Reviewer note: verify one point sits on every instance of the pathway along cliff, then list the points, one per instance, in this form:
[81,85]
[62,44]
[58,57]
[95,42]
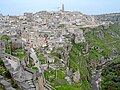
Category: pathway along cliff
[96,74]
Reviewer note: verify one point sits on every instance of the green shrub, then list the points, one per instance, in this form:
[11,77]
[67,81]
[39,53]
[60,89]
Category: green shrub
[61,26]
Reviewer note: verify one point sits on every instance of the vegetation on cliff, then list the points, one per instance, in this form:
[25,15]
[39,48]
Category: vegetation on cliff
[111,76]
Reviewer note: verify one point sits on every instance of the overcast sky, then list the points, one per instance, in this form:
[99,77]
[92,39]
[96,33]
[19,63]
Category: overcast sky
[17,7]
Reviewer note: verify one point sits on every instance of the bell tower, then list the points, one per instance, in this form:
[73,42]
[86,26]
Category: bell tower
[62,7]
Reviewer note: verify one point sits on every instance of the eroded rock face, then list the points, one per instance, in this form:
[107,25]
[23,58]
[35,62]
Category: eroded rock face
[79,36]
[68,80]
[76,76]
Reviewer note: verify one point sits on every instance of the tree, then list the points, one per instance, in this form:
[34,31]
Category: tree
[35,68]
[5,37]
[1,63]
[7,74]
[73,38]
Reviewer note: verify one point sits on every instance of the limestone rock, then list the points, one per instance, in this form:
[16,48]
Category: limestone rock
[76,76]
[68,80]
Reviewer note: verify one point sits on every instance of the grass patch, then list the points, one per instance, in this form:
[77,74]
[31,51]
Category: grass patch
[67,87]
[78,62]
[20,56]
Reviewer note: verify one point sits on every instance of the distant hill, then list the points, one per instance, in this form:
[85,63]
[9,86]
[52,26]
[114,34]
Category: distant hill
[112,17]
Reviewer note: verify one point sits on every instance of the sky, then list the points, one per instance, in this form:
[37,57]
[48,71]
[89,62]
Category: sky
[91,7]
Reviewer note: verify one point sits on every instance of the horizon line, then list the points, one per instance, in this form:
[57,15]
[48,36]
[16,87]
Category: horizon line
[57,11]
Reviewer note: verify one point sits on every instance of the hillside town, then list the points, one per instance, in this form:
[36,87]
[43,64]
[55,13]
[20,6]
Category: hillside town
[30,44]
[46,27]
